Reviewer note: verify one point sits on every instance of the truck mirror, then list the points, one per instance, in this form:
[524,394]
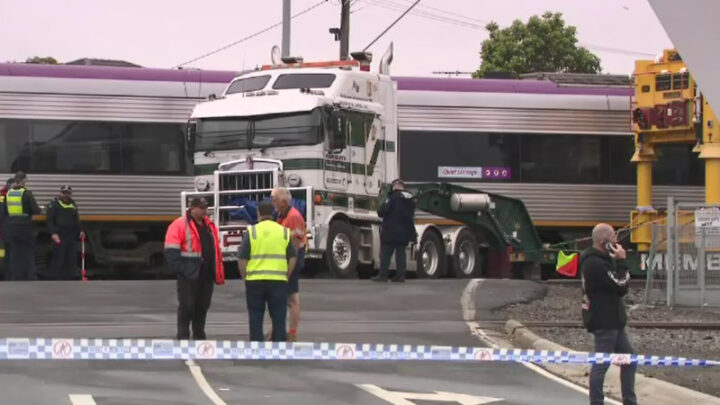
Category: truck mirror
[337,130]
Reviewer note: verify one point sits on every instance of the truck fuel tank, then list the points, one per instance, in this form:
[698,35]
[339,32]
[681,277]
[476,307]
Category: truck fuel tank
[466,202]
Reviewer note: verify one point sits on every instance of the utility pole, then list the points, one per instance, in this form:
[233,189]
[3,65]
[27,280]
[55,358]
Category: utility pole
[345,30]
[286,29]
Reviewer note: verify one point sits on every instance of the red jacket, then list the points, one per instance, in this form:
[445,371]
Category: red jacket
[183,251]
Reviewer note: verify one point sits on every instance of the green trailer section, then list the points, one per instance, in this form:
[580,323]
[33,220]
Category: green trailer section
[505,225]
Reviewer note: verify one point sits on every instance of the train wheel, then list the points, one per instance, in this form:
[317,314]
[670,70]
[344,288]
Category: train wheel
[431,258]
[341,255]
[466,261]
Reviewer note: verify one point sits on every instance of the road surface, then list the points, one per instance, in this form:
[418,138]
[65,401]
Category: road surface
[417,312]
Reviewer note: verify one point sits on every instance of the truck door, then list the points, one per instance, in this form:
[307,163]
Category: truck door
[337,163]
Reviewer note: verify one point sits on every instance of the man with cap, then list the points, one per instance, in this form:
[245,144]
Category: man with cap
[63,222]
[192,252]
[18,209]
[267,256]
[396,231]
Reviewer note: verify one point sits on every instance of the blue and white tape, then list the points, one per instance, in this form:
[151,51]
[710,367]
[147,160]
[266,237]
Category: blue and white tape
[158,349]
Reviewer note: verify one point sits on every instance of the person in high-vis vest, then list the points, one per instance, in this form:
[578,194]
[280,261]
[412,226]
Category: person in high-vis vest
[18,210]
[63,222]
[267,257]
[192,252]
[5,249]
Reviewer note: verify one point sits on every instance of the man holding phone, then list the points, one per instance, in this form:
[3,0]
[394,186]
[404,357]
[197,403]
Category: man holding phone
[605,279]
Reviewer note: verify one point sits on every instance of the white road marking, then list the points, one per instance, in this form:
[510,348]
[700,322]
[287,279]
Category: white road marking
[81,399]
[197,374]
[403,398]
[468,309]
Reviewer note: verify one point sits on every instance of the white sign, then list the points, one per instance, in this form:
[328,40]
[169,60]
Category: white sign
[707,221]
[404,398]
[688,262]
[460,172]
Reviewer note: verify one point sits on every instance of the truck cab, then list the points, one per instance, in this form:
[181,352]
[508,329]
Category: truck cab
[326,131]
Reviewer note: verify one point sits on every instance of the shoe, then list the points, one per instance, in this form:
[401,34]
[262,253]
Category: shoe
[398,280]
[291,337]
[379,279]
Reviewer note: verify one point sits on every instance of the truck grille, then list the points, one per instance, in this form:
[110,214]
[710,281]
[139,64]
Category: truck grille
[236,191]
[246,181]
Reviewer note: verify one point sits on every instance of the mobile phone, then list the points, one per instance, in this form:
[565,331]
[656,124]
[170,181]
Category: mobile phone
[609,246]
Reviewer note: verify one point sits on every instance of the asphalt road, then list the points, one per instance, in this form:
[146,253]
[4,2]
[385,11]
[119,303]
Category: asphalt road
[417,312]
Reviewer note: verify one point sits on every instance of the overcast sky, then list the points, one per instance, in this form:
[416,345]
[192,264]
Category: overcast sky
[438,35]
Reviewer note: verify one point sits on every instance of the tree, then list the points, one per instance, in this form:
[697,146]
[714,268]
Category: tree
[544,44]
[47,60]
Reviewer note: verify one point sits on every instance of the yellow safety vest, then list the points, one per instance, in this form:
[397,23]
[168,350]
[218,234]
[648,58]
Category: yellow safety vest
[268,252]
[70,206]
[13,200]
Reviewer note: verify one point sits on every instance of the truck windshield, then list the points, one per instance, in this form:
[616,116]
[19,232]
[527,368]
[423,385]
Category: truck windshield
[259,132]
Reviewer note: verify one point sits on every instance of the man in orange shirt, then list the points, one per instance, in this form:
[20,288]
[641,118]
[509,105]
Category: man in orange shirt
[291,218]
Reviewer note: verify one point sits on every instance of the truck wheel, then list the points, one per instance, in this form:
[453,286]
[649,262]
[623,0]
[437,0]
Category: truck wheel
[466,261]
[431,258]
[341,254]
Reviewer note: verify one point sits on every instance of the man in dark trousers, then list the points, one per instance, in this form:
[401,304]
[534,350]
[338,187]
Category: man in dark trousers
[18,209]
[5,246]
[267,256]
[605,279]
[63,221]
[192,251]
[396,231]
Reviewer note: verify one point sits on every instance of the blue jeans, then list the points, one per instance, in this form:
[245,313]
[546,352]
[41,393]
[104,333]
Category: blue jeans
[273,294]
[612,341]
[386,252]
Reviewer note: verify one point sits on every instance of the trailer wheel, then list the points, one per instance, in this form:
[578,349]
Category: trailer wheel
[431,257]
[466,261]
[341,255]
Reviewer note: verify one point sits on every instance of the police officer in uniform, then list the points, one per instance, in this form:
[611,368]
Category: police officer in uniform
[63,221]
[3,239]
[19,207]
[266,259]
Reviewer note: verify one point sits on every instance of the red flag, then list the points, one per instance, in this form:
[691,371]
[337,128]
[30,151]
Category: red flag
[567,265]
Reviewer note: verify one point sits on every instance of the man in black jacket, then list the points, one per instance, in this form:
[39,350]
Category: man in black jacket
[396,231]
[63,221]
[605,279]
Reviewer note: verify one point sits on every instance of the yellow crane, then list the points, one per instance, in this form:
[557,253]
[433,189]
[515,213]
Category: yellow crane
[668,108]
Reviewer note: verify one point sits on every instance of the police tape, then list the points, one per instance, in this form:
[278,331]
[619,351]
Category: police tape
[159,349]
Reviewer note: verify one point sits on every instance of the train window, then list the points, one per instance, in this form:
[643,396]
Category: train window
[422,153]
[47,146]
[14,139]
[75,146]
[678,166]
[248,84]
[154,149]
[620,169]
[561,159]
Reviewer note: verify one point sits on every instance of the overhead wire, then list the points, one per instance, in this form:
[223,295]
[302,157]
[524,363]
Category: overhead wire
[474,23]
[230,45]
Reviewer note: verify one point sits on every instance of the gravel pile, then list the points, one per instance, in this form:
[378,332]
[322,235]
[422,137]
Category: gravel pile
[562,303]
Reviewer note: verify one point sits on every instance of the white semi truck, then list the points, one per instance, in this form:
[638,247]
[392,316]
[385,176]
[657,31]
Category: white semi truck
[329,132]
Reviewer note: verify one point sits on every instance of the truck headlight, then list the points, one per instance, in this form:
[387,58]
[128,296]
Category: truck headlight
[294,180]
[202,184]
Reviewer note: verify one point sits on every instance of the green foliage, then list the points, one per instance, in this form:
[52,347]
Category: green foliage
[544,44]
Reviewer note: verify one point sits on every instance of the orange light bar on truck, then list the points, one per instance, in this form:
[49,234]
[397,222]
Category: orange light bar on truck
[335,63]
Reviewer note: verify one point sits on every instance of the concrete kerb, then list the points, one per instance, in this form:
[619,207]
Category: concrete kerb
[649,390]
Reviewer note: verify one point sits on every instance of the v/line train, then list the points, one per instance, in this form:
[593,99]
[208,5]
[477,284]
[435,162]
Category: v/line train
[117,135]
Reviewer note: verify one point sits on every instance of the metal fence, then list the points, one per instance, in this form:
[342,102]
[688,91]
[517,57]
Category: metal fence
[683,266]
